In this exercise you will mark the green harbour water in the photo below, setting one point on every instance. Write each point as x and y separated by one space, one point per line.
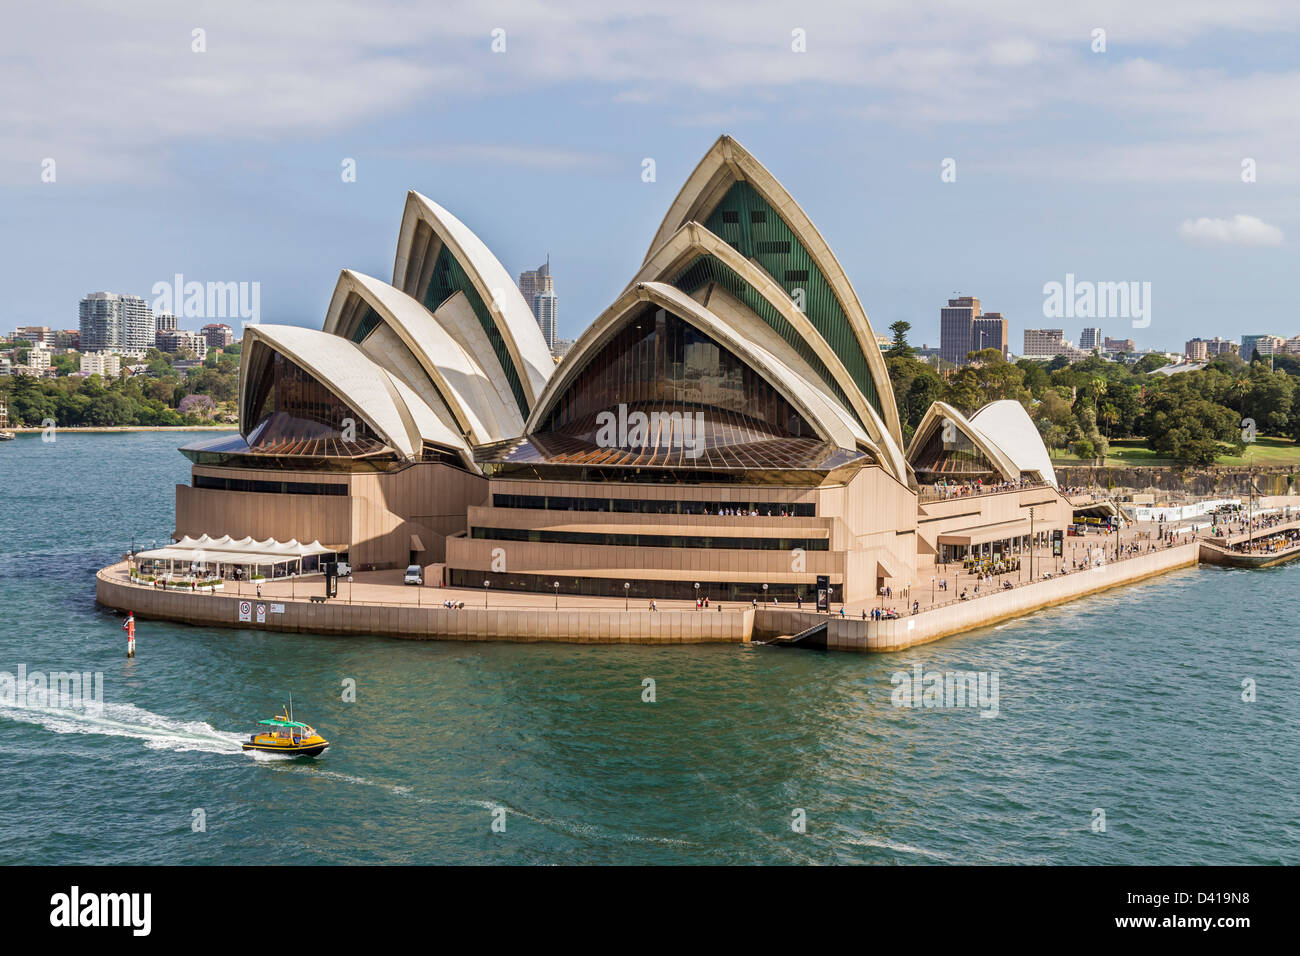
1128 702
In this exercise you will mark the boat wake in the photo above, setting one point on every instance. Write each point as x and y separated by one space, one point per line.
583 830
127 720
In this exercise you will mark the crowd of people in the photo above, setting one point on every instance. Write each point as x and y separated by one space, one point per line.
959 489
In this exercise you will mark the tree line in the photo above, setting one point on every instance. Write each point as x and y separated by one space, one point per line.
1192 417
159 398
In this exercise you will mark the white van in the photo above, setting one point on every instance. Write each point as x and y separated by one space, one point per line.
413 575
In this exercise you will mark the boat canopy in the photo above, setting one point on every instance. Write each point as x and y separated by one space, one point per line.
283 723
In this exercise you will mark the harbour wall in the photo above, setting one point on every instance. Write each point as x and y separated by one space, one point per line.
520 625
616 626
850 634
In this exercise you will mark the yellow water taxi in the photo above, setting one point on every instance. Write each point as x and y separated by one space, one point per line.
283 735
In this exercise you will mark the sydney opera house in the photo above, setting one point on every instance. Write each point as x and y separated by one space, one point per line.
726 427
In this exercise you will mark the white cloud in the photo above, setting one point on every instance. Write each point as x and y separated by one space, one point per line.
1240 230
109 91
501 154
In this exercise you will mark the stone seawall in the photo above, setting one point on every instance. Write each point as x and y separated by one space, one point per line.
520 625
850 634
1219 481
616 626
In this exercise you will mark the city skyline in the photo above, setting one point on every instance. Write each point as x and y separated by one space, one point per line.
1137 148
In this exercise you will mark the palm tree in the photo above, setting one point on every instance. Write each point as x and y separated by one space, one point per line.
1240 387
1110 415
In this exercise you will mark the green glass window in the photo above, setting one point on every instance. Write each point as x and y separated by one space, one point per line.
449 278
745 220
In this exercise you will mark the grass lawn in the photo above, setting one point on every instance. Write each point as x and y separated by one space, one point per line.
1134 451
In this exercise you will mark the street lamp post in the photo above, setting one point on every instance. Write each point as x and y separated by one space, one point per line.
557 594
932 590
764 593
626 587
1032 544
486 585
697 595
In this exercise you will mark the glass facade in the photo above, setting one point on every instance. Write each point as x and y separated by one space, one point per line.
620 540
685 590
746 222
270 487
651 506
295 414
705 269
958 458
700 391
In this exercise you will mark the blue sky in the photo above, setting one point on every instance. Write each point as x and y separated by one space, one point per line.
224 165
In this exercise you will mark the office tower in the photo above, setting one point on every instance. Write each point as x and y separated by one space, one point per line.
1090 339
955 325
164 322
112 322
538 289
989 331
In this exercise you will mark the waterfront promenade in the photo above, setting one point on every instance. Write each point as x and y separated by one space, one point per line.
376 602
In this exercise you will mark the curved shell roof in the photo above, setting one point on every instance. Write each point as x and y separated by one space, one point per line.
693 240
728 163
741 332
511 315
1008 425
483 410
374 393
990 441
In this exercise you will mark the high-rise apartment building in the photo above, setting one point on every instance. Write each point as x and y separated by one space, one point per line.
1264 344
955 325
104 364
538 288
218 334
164 322
112 322
1090 339
1199 350
184 339
34 334
989 331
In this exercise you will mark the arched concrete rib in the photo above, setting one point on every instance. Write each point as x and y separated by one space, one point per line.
1008 425
940 412
727 162
755 343
375 394
482 411
692 240
509 312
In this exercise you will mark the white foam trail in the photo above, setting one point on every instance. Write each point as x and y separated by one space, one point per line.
580 829
127 720
897 847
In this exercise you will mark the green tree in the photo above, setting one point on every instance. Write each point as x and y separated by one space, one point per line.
900 348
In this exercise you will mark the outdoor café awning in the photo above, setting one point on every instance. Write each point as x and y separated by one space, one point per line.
227 550
981 534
